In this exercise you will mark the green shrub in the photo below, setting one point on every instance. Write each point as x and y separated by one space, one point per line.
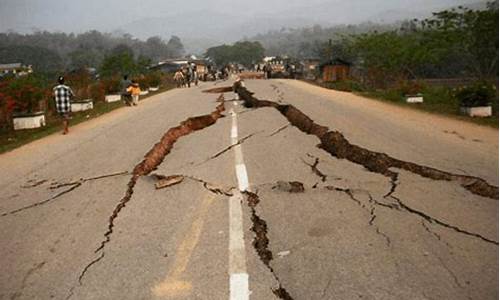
154 79
411 88
478 94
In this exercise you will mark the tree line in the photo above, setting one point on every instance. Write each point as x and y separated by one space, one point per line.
51 52
308 42
244 52
454 43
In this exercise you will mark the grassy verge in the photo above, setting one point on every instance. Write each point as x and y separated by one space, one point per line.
11 139
437 100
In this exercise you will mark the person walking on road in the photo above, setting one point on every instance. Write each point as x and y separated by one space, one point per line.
62 97
179 78
134 90
187 77
124 85
268 71
195 76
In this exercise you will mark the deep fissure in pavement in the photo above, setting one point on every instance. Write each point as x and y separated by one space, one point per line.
261 243
153 159
337 145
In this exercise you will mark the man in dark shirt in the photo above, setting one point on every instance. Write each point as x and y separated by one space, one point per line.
124 85
62 96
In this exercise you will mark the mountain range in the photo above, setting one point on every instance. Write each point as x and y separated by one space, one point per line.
200 29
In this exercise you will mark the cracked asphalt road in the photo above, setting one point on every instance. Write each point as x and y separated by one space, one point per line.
349 234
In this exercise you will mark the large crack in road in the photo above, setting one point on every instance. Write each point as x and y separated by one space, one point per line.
153 159
261 243
332 142
338 146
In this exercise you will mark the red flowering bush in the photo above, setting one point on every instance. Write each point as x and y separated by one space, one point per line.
411 88
80 82
143 81
22 95
111 85
25 94
154 79
7 105
97 92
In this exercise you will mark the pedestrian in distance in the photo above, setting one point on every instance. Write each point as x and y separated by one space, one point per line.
134 90
195 79
62 97
268 72
184 77
179 78
124 85
187 77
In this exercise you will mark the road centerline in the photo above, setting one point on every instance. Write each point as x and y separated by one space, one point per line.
238 282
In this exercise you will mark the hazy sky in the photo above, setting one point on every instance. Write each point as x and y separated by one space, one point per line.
109 15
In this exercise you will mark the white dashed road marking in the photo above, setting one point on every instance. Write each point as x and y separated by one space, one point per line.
238 282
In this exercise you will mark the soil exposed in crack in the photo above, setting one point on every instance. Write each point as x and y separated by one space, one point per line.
151 160
209 186
337 145
261 243
289 186
314 168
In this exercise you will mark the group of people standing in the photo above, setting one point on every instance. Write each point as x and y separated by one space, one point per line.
185 76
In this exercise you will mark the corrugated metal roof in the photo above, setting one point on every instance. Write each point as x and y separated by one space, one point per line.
10 66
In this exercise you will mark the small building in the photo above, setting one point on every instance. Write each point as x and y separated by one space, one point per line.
170 65
201 66
335 70
15 68
310 64
310 68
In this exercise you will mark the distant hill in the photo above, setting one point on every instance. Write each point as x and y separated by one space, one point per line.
306 41
203 29
200 29
391 16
